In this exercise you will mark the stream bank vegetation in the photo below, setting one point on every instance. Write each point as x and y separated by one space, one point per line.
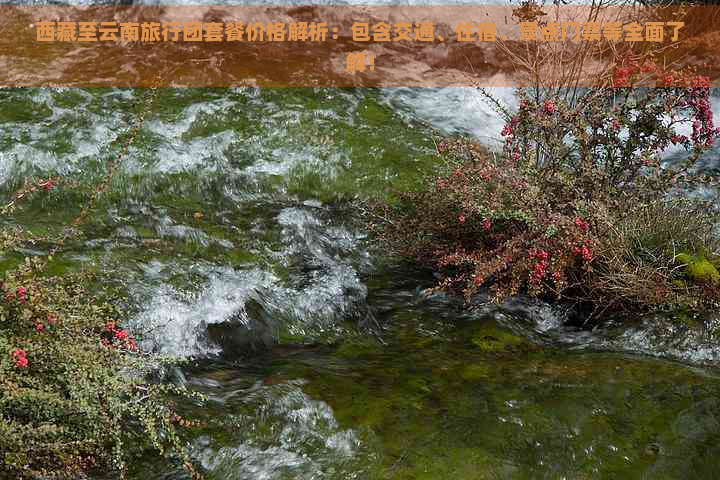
77 395
582 205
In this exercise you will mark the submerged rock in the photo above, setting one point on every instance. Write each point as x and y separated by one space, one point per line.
247 332
489 338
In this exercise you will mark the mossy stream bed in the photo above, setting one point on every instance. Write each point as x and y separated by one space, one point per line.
231 234
440 398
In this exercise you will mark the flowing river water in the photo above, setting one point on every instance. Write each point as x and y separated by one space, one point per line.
232 229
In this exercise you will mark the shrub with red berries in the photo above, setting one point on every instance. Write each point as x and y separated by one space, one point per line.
614 138
581 203
486 222
19 358
489 221
115 337
65 387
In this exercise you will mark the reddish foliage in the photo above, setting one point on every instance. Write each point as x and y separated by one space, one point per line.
505 231
537 219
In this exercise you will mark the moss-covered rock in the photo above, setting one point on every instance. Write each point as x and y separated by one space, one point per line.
490 338
475 372
699 269
359 348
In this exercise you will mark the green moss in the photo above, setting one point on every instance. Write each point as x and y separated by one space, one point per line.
699 269
490 338
21 109
704 272
62 265
375 114
419 385
68 98
10 261
358 348
686 317
475 372
240 257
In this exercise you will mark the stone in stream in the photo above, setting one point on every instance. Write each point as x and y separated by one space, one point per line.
249 330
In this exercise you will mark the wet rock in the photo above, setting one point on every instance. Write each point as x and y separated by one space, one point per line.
245 333
685 336
663 335
489 338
